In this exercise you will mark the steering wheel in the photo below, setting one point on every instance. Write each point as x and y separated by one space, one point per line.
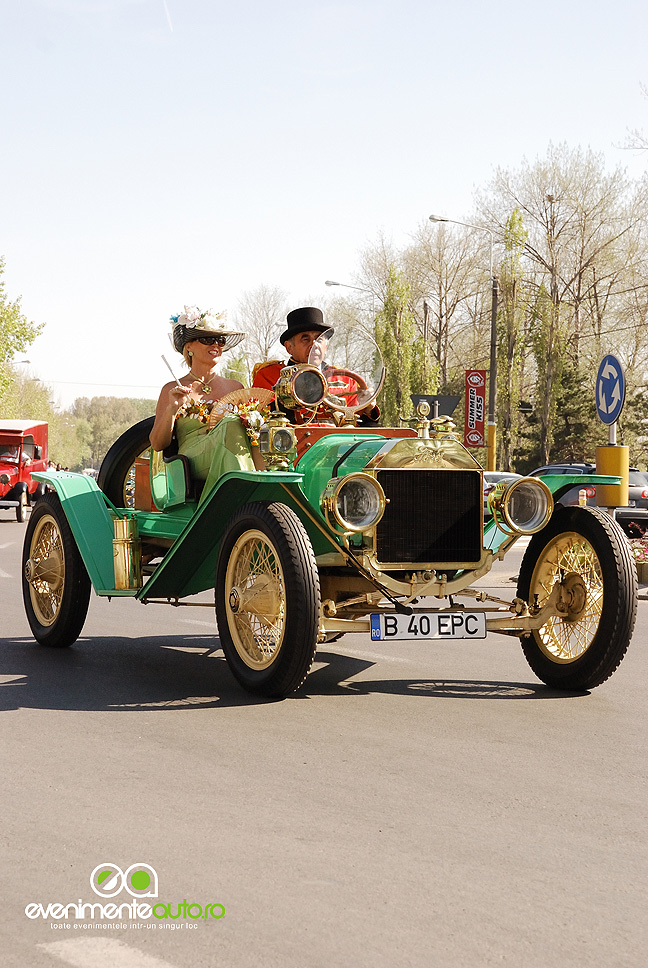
334 371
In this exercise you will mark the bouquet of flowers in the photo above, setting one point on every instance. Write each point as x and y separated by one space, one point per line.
252 415
250 404
639 549
195 408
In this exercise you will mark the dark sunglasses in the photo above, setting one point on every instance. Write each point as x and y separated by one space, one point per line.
210 340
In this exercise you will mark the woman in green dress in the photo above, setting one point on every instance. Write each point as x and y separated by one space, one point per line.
184 406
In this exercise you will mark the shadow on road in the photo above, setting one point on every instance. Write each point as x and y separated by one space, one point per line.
336 678
189 672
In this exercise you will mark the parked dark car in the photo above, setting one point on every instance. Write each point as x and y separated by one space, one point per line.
572 497
629 517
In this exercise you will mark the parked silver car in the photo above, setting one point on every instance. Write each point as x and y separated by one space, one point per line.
491 478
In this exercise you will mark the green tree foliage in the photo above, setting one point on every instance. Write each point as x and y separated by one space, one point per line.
30 399
16 334
576 429
236 368
548 335
69 440
105 419
396 336
511 326
584 261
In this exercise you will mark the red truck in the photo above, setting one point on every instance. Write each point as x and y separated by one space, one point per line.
23 449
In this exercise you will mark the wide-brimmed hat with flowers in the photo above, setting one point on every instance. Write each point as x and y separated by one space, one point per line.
193 323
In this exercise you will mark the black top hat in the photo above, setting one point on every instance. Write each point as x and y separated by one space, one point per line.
303 320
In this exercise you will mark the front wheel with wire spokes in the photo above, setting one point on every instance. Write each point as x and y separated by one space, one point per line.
585 551
267 599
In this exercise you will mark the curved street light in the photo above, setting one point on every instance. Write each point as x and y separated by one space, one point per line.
491 442
346 285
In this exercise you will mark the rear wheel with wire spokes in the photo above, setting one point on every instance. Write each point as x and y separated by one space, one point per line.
267 599
56 586
585 551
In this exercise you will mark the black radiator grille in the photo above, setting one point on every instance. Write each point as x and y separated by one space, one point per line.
432 516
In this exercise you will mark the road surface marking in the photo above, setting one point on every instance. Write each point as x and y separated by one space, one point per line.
372 656
197 621
102 953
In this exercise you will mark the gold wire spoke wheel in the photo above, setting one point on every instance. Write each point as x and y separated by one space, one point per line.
567 557
256 599
584 555
55 583
45 570
267 599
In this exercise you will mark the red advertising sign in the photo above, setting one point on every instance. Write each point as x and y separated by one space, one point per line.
474 429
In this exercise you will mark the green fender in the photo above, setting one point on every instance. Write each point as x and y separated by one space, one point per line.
558 484
190 565
85 508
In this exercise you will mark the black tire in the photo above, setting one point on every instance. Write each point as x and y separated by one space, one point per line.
267 552
55 583
586 549
115 477
21 510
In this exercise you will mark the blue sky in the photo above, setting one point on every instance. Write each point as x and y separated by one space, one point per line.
160 153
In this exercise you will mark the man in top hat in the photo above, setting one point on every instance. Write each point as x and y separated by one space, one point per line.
305 326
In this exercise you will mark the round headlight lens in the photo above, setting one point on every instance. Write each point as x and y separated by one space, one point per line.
282 441
309 387
356 502
527 505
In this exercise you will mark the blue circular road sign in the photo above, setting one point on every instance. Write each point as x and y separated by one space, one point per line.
610 389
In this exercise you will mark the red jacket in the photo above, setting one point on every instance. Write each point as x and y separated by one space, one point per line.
340 384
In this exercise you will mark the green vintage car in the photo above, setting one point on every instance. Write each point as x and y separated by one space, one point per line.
347 528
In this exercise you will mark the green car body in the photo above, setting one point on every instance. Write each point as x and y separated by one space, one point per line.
339 577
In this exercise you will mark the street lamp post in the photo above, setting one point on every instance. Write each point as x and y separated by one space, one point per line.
345 285
491 442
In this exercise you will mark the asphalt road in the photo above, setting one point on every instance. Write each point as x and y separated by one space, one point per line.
411 805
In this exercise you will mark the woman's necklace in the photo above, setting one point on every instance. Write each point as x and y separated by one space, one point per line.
206 385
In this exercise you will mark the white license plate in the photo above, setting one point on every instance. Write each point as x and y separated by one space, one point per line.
429 625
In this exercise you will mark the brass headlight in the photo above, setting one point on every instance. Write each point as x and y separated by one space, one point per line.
521 507
277 442
301 386
355 502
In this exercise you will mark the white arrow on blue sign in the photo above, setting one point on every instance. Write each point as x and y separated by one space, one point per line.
610 389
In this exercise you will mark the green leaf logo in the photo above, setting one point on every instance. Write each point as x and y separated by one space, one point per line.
107 880
140 880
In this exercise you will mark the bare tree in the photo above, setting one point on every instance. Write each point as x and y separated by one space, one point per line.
637 138
261 313
581 221
445 268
